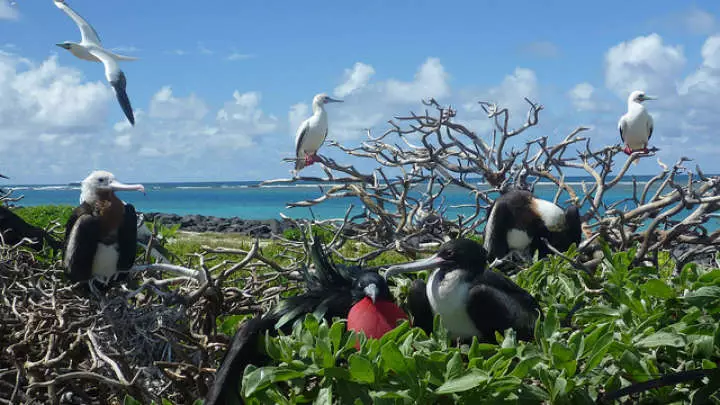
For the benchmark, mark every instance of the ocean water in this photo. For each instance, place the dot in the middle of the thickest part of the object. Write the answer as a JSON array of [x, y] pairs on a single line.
[[249, 201]]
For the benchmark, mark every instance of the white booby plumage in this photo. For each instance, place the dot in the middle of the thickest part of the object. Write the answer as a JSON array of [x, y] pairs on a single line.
[[90, 48], [312, 132], [636, 125], [101, 233]]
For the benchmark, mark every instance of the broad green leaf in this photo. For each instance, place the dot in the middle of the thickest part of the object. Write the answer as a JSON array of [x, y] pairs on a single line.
[[454, 367], [128, 400], [166, 401], [703, 296], [657, 288], [525, 365], [324, 397], [361, 369], [392, 359], [336, 334], [464, 383], [662, 339]]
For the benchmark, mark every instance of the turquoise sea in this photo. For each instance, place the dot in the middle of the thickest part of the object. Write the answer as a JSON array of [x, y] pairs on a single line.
[[248, 200]]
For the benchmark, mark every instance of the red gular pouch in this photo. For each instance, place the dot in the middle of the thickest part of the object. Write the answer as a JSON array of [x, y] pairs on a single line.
[[374, 319]]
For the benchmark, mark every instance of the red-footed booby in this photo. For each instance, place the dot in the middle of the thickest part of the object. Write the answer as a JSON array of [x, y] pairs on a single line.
[[312, 132], [636, 125]]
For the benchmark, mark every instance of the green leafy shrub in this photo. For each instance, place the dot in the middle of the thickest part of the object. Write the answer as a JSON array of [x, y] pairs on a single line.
[[44, 215], [641, 324]]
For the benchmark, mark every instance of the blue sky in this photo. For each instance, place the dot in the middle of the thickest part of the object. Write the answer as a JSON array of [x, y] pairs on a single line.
[[262, 62]]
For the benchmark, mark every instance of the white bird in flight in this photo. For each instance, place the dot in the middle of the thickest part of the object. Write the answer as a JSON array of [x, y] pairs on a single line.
[[90, 48], [312, 132], [636, 126]]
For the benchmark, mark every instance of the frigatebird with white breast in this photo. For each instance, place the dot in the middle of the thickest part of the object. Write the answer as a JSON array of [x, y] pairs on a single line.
[[333, 291], [636, 125], [90, 48], [518, 221], [101, 233], [470, 299], [312, 132]]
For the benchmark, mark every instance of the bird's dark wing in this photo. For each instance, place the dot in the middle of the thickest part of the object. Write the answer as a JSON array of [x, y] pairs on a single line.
[[80, 246], [650, 126], [419, 306], [496, 303], [299, 139], [621, 124], [499, 218], [14, 229], [127, 239]]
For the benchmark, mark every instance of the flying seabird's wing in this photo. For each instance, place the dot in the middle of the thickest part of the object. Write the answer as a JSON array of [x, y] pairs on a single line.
[[117, 80], [622, 125], [89, 36], [300, 137], [650, 125], [127, 240], [82, 233]]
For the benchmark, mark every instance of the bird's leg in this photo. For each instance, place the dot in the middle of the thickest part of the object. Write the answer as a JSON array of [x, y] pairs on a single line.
[[308, 159], [315, 158], [627, 150]]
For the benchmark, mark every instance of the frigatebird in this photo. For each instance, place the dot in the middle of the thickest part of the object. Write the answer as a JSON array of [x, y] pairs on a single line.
[[14, 229], [518, 221], [471, 300], [360, 295], [101, 233]]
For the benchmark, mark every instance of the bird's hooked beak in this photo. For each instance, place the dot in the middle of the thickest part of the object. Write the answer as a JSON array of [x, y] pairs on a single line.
[[118, 186], [332, 100], [645, 98], [372, 291], [431, 262]]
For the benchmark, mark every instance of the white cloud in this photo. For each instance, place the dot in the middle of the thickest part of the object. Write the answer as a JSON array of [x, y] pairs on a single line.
[[165, 106], [541, 49], [298, 113], [643, 63], [431, 80], [8, 11], [581, 96], [240, 56], [204, 50], [706, 79], [698, 21], [355, 78]]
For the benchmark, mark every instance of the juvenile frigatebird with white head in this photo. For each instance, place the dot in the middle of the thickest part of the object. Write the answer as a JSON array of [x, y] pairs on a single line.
[[90, 48], [312, 132], [518, 221], [101, 233], [471, 300], [636, 125]]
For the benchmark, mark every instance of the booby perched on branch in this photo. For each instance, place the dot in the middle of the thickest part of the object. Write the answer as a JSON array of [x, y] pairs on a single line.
[[471, 300], [101, 233], [518, 221], [90, 48], [312, 132], [361, 296], [636, 125]]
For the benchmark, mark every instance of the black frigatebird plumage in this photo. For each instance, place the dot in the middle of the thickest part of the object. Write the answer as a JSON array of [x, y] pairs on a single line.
[[101, 233], [13, 229], [361, 295], [518, 221], [471, 300]]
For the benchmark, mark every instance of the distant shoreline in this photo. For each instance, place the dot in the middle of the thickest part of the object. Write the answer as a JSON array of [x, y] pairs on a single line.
[[262, 228]]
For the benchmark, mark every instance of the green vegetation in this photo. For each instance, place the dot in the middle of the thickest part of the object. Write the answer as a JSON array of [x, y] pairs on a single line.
[[45, 215], [641, 325]]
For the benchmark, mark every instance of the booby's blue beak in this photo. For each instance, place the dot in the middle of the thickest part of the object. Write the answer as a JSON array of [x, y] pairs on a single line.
[[649, 98], [332, 100], [431, 262]]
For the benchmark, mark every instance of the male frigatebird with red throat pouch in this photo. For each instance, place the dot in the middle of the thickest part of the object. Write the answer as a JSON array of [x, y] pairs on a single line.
[[360, 295]]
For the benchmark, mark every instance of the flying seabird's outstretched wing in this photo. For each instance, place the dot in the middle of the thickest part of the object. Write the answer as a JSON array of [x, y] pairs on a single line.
[[300, 138], [89, 36], [82, 233], [117, 80]]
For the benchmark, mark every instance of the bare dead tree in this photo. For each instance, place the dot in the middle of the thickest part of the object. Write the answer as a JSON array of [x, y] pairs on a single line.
[[421, 156]]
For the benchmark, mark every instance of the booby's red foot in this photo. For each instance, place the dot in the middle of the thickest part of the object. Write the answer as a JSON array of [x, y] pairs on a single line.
[[308, 160], [315, 158], [627, 150], [646, 150]]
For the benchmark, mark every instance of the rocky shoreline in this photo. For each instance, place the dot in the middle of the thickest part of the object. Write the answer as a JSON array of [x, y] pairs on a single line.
[[200, 223]]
